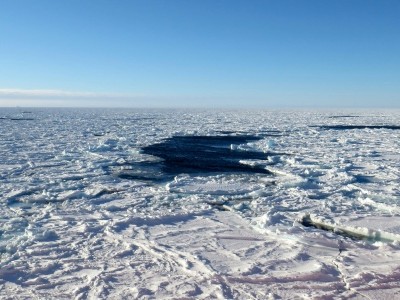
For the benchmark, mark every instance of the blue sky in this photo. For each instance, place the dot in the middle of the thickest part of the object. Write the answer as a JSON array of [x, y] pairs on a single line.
[[217, 53]]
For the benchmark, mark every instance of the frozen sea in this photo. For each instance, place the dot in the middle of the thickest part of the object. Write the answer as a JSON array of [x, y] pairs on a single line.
[[199, 204]]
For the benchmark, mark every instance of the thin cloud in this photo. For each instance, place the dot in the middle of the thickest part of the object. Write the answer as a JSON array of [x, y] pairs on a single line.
[[57, 93], [48, 97], [61, 98]]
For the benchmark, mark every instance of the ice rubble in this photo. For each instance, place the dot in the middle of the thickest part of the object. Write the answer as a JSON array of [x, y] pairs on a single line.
[[72, 228]]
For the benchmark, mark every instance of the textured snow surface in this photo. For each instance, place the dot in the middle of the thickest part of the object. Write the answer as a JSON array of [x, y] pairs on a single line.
[[199, 204]]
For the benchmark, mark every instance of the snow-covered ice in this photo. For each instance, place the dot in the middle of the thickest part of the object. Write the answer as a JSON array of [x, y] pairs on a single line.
[[199, 204]]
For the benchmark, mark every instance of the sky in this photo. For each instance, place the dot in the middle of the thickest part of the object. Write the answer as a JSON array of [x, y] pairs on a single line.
[[200, 53]]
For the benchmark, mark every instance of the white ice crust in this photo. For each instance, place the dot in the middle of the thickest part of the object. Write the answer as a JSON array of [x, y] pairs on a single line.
[[324, 225]]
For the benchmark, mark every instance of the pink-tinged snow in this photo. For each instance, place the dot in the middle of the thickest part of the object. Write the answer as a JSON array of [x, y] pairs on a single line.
[[70, 230]]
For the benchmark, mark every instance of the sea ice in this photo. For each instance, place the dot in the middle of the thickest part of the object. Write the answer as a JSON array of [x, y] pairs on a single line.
[[199, 204]]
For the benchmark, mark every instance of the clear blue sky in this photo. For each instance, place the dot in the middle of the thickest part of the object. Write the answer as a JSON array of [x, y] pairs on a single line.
[[246, 53]]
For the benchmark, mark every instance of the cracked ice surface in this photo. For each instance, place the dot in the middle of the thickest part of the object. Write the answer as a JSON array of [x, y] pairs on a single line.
[[128, 204]]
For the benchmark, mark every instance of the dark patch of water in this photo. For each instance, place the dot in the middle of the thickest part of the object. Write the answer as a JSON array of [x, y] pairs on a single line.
[[344, 116], [350, 127], [226, 132], [22, 119], [262, 133], [363, 179], [189, 154], [99, 134], [197, 154]]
